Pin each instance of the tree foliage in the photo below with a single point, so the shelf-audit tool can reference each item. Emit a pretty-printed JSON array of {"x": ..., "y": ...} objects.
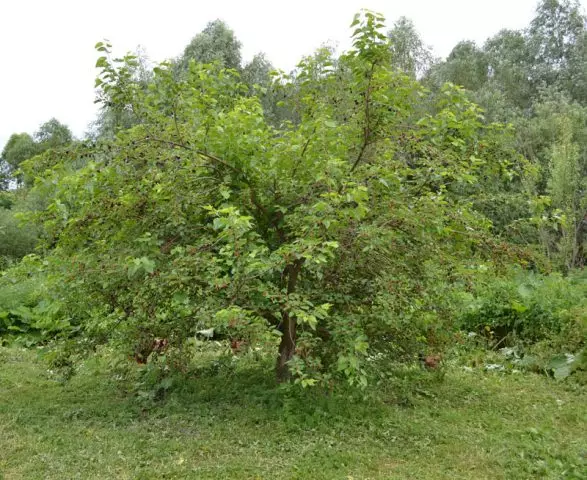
[
  {"x": 549, "y": 53},
  {"x": 409, "y": 53},
  {"x": 535, "y": 78},
  {"x": 53, "y": 134},
  {"x": 327, "y": 238},
  {"x": 216, "y": 43},
  {"x": 337, "y": 216},
  {"x": 22, "y": 146}
]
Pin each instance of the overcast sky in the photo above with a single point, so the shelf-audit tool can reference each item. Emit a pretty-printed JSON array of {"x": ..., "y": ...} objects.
[{"x": 47, "y": 46}]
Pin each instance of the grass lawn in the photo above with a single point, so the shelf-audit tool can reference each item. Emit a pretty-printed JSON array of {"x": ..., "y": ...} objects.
[{"x": 237, "y": 425}]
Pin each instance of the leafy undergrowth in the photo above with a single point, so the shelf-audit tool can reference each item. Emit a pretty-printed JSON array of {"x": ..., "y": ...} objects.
[{"x": 461, "y": 425}]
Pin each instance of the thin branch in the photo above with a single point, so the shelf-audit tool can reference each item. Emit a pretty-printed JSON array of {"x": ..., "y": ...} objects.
[
  {"x": 198, "y": 152},
  {"x": 360, "y": 156},
  {"x": 175, "y": 120},
  {"x": 215, "y": 159},
  {"x": 305, "y": 147},
  {"x": 367, "y": 127}
]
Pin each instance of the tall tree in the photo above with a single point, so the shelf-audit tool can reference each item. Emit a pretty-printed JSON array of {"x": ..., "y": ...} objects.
[
  {"x": 509, "y": 59},
  {"x": 554, "y": 34},
  {"x": 576, "y": 75},
  {"x": 4, "y": 174},
  {"x": 257, "y": 71},
  {"x": 552, "y": 51},
  {"x": 53, "y": 134},
  {"x": 115, "y": 116},
  {"x": 409, "y": 53},
  {"x": 257, "y": 75},
  {"x": 216, "y": 43},
  {"x": 555, "y": 140},
  {"x": 466, "y": 65},
  {"x": 566, "y": 187},
  {"x": 20, "y": 147}
]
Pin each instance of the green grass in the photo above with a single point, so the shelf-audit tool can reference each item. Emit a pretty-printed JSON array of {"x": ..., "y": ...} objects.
[{"x": 237, "y": 425}]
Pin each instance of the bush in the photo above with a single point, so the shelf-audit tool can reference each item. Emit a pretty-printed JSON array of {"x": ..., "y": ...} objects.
[
  {"x": 16, "y": 239},
  {"x": 324, "y": 238},
  {"x": 528, "y": 308},
  {"x": 27, "y": 309}
]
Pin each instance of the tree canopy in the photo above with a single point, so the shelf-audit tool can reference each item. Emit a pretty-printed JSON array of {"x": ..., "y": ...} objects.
[
  {"x": 340, "y": 214},
  {"x": 216, "y": 43},
  {"x": 22, "y": 146},
  {"x": 310, "y": 235}
]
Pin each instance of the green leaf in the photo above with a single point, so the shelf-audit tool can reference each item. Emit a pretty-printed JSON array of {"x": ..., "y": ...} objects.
[
  {"x": 206, "y": 333},
  {"x": 561, "y": 373},
  {"x": 308, "y": 382},
  {"x": 561, "y": 366},
  {"x": 519, "y": 307},
  {"x": 102, "y": 62},
  {"x": 166, "y": 383}
]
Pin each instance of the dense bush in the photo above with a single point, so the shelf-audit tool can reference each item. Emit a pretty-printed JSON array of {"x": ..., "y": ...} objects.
[
  {"x": 29, "y": 311},
  {"x": 16, "y": 239},
  {"x": 366, "y": 225},
  {"x": 331, "y": 240},
  {"x": 527, "y": 308}
]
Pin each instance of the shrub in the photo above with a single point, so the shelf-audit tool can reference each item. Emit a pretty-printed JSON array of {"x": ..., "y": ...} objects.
[
  {"x": 16, "y": 238},
  {"x": 528, "y": 308},
  {"x": 27, "y": 308},
  {"x": 330, "y": 238}
]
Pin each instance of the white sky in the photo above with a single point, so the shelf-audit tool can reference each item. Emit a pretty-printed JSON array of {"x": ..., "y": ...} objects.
[{"x": 47, "y": 46}]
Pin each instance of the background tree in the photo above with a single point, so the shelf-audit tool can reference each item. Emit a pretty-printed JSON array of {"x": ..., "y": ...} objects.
[
  {"x": 555, "y": 138},
  {"x": 17, "y": 238},
  {"x": 535, "y": 79},
  {"x": 567, "y": 191},
  {"x": 510, "y": 63},
  {"x": 550, "y": 52},
  {"x": 409, "y": 53},
  {"x": 576, "y": 73},
  {"x": 555, "y": 36},
  {"x": 52, "y": 134},
  {"x": 113, "y": 116},
  {"x": 257, "y": 71},
  {"x": 258, "y": 75},
  {"x": 20, "y": 147},
  {"x": 466, "y": 65},
  {"x": 4, "y": 174},
  {"x": 216, "y": 43}
]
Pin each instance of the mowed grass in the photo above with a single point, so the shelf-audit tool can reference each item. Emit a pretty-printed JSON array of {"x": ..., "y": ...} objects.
[{"x": 238, "y": 425}]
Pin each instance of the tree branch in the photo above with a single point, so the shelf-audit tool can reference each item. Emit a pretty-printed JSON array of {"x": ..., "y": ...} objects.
[
  {"x": 198, "y": 152},
  {"x": 367, "y": 127}
]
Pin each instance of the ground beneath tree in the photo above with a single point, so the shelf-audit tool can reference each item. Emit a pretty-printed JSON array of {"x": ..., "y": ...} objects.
[{"x": 470, "y": 425}]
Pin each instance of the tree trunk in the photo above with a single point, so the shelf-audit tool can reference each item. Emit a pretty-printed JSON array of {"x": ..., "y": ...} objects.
[
  {"x": 287, "y": 346},
  {"x": 579, "y": 254}
]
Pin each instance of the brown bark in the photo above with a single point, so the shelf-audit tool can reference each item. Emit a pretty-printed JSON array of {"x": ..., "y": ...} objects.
[
  {"x": 287, "y": 346},
  {"x": 579, "y": 254}
]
